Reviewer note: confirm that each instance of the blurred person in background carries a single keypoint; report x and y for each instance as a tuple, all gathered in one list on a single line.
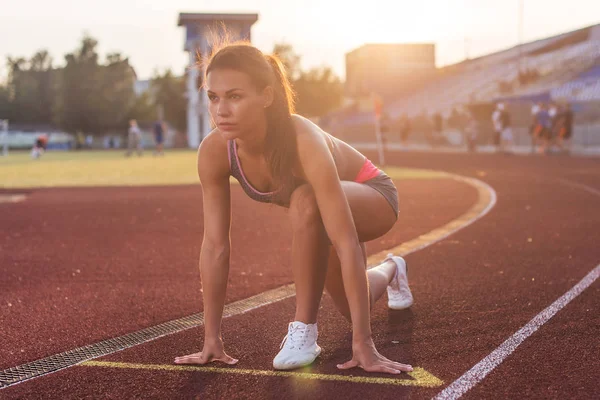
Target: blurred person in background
[(497, 125), (565, 128), (506, 134), (471, 132), (336, 199), (384, 128), (438, 127), (404, 129), (543, 128), (134, 138), (159, 128), (41, 143)]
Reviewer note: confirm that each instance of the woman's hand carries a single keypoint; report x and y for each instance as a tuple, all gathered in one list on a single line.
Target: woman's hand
[(366, 356), (213, 351)]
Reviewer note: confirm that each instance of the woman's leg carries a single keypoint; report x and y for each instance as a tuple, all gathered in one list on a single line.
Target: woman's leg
[(373, 217), (310, 249), (378, 277)]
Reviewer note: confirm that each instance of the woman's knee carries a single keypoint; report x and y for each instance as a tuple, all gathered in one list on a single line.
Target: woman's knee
[(304, 211)]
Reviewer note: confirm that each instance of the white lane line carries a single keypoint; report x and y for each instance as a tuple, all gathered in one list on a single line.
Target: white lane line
[(485, 366), (580, 186), (12, 198)]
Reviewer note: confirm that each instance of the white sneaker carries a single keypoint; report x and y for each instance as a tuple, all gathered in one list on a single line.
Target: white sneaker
[(299, 347), (399, 295)]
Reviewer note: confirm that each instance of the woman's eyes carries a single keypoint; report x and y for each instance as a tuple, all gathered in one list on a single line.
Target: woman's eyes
[(233, 97)]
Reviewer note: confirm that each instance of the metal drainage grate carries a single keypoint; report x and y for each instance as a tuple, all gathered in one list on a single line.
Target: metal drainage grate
[(35, 369)]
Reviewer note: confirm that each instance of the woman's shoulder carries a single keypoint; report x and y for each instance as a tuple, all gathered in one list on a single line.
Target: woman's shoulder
[(213, 151), (306, 130), (213, 143)]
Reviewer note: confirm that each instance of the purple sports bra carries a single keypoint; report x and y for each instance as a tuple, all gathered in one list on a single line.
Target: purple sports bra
[(238, 173)]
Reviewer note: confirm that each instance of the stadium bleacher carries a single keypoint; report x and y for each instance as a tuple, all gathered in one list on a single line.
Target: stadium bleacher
[(561, 64)]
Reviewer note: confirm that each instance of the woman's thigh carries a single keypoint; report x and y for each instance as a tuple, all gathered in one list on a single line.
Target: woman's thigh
[(373, 216)]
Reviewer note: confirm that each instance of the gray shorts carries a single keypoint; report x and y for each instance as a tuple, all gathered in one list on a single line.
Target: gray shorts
[(384, 185)]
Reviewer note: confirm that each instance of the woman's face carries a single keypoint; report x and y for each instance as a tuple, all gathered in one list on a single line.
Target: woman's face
[(236, 107)]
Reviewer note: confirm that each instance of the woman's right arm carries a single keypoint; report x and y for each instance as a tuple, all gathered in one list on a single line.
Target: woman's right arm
[(214, 253), (213, 171)]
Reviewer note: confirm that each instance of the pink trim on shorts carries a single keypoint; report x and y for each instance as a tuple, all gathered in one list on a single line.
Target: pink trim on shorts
[(368, 171)]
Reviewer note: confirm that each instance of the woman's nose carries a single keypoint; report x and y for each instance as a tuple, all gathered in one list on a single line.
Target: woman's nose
[(222, 109)]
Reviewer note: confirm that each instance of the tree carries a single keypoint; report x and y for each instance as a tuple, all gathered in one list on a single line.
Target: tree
[(95, 98), (169, 95), (289, 58), (4, 102), (31, 88), (318, 91), (115, 93), (79, 82), (143, 108)]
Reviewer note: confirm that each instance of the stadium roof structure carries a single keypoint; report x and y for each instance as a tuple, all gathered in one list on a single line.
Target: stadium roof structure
[(186, 18)]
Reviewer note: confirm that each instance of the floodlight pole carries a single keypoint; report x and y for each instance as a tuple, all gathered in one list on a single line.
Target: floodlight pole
[(520, 34)]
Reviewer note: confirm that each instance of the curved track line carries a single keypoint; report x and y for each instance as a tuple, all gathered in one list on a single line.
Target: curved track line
[(478, 372), (486, 201), (12, 376), (12, 198)]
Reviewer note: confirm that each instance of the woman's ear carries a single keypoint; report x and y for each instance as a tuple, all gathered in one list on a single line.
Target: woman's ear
[(268, 95)]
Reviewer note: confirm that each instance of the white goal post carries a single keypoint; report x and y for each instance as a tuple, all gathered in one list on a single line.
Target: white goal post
[(4, 136)]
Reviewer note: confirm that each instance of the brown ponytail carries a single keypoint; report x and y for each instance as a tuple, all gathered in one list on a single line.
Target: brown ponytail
[(267, 70), (280, 146)]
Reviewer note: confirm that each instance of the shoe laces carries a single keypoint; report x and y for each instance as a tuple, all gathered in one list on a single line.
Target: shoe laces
[(296, 337)]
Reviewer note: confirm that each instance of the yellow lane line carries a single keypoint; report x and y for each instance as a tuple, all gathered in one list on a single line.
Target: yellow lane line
[(419, 376)]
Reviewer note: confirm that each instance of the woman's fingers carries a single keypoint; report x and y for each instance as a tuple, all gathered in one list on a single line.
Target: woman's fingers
[(196, 358), (349, 364), (227, 360), (205, 358), (385, 366), (382, 368), (400, 366)]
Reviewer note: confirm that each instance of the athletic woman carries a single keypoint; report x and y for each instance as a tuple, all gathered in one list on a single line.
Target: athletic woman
[(337, 201)]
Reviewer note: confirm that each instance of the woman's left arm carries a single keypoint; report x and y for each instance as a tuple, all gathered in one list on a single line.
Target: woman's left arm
[(321, 173)]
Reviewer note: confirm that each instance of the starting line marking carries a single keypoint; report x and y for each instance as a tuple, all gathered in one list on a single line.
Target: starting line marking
[(419, 376), (21, 373)]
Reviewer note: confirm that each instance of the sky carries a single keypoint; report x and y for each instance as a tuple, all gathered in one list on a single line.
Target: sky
[(320, 31)]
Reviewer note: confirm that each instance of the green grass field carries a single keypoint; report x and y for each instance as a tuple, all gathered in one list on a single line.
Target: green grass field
[(112, 168)]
